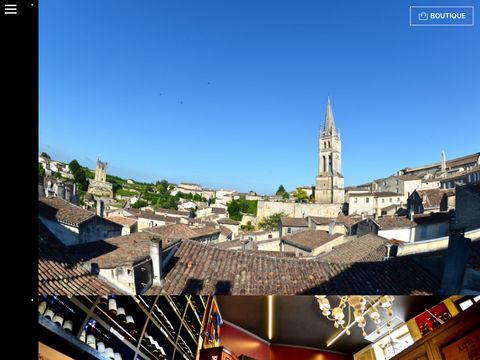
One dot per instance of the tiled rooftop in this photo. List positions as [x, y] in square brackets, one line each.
[394, 222]
[310, 239]
[294, 222]
[61, 274]
[227, 221]
[201, 269]
[122, 250]
[366, 248]
[58, 209]
[122, 220]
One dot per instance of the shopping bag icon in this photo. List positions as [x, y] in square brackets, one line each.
[423, 16]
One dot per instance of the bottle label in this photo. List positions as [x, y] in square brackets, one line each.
[130, 319]
[101, 347]
[68, 325]
[58, 318]
[91, 341]
[116, 333]
[49, 313]
[83, 335]
[42, 307]
[120, 311]
[112, 305]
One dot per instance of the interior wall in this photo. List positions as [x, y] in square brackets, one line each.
[278, 352]
[244, 343]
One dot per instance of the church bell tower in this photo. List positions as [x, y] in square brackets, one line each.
[329, 185]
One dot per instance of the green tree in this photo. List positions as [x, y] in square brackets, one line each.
[248, 226]
[139, 203]
[74, 166]
[234, 210]
[286, 195]
[45, 155]
[41, 170]
[271, 222]
[81, 179]
[300, 194]
[280, 191]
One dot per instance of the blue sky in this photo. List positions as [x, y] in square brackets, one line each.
[231, 94]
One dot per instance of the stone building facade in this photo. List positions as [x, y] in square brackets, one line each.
[99, 186]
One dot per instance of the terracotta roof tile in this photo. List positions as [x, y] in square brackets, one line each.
[218, 271]
[368, 247]
[310, 239]
[294, 222]
[58, 209]
[59, 273]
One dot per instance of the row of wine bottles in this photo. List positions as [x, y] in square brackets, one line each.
[99, 340]
[118, 313]
[60, 314]
[153, 346]
[56, 312]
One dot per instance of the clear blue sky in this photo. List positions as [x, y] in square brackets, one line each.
[231, 94]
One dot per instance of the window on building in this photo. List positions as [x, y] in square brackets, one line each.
[367, 199]
[289, 230]
[396, 182]
[270, 236]
[398, 190]
[398, 199]
[390, 200]
[383, 200]
[355, 200]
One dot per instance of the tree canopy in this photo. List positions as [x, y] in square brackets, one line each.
[241, 205]
[271, 222]
[300, 194]
[280, 191]
[45, 155]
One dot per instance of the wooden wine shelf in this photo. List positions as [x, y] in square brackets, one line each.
[129, 341]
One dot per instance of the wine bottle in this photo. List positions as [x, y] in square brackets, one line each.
[42, 306]
[68, 325]
[131, 328]
[109, 353]
[91, 339]
[103, 302]
[59, 317]
[117, 356]
[112, 306]
[121, 317]
[83, 336]
[50, 312]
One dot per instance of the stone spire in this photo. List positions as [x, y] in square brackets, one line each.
[329, 127]
[444, 161]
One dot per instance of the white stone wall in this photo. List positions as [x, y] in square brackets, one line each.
[267, 208]
[359, 204]
[406, 234]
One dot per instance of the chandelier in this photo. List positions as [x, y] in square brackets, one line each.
[360, 306]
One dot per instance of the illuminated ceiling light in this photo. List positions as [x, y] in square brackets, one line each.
[357, 307]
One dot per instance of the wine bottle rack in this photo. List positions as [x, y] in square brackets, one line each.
[165, 327]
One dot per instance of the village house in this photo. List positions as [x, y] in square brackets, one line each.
[310, 242]
[403, 185]
[73, 225]
[372, 203]
[290, 225]
[206, 234]
[149, 219]
[421, 201]
[232, 225]
[129, 223]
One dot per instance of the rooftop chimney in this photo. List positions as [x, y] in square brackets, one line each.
[331, 227]
[100, 207]
[458, 252]
[156, 256]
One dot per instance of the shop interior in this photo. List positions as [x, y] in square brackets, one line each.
[259, 327]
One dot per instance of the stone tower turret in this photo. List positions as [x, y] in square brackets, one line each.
[329, 187]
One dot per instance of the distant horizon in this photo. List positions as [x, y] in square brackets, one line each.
[233, 94]
[93, 165]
